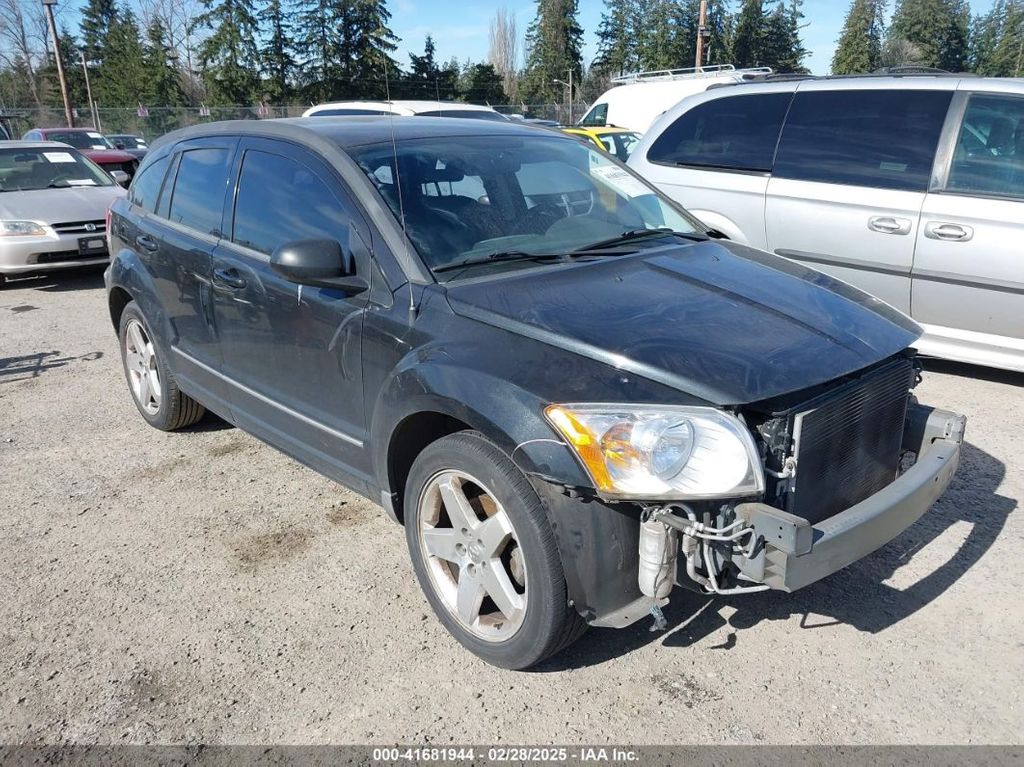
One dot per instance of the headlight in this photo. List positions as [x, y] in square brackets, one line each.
[652, 452]
[21, 229]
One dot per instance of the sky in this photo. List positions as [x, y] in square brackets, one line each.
[460, 28]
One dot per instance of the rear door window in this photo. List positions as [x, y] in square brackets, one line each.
[989, 156]
[198, 196]
[875, 138]
[735, 132]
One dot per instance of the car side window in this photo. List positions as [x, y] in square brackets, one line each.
[280, 200]
[989, 155]
[884, 139]
[198, 196]
[735, 132]
[145, 189]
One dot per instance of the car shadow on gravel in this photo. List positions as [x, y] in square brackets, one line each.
[28, 366]
[858, 596]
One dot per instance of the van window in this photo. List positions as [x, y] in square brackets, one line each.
[736, 132]
[989, 156]
[280, 200]
[882, 139]
[199, 189]
[598, 115]
[146, 184]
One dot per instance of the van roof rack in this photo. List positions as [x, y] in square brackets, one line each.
[902, 71]
[686, 73]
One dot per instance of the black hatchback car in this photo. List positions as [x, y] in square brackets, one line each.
[572, 394]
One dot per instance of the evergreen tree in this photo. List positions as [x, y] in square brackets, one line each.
[120, 77]
[937, 28]
[161, 86]
[276, 57]
[347, 46]
[782, 49]
[422, 81]
[229, 57]
[98, 19]
[553, 44]
[484, 85]
[616, 50]
[859, 48]
[1007, 55]
[748, 41]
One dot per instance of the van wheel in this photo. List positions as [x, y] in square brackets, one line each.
[156, 395]
[485, 554]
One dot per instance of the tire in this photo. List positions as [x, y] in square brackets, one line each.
[153, 389]
[467, 559]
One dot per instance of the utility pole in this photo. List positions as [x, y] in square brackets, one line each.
[702, 33]
[48, 5]
[570, 96]
[88, 92]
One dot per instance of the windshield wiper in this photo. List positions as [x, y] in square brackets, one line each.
[640, 234]
[504, 255]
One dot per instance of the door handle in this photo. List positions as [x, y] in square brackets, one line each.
[951, 232]
[889, 225]
[147, 243]
[229, 278]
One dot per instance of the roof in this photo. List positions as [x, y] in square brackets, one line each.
[401, 105]
[357, 131]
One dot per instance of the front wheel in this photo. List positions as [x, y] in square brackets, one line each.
[485, 554]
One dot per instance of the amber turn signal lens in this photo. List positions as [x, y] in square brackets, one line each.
[587, 444]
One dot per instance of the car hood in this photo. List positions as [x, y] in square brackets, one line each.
[107, 156]
[53, 206]
[720, 321]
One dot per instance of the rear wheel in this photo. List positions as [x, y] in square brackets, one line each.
[153, 389]
[485, 554]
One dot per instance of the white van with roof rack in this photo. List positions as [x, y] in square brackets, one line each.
[636, 100]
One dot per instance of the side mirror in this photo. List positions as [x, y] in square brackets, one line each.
[321, 263]
[119, 145]
[120, 177]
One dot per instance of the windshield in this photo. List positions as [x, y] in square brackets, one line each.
[474, 198]
[80, 139]
[26, 169]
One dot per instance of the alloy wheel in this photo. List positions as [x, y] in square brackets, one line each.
[472, 555]
[140, 362]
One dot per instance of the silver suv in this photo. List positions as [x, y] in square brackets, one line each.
[909, 187]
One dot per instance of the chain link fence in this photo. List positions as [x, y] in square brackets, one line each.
[152, 122]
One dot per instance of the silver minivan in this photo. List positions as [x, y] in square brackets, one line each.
[910, 187]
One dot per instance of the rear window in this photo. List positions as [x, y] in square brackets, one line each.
[346, 112]
[465, 114]
[736, 132]
[882, 139]
[145, 190]
[199, 189]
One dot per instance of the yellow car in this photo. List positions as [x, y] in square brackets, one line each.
[615, 141]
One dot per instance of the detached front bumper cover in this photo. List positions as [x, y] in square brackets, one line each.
[796, 553]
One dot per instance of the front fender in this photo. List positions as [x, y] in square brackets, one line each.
[508, 415]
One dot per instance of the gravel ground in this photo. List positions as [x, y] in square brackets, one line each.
[201, 587]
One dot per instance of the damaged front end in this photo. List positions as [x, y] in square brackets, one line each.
[847, 467]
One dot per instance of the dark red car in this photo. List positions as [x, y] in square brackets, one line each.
[92, 144]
